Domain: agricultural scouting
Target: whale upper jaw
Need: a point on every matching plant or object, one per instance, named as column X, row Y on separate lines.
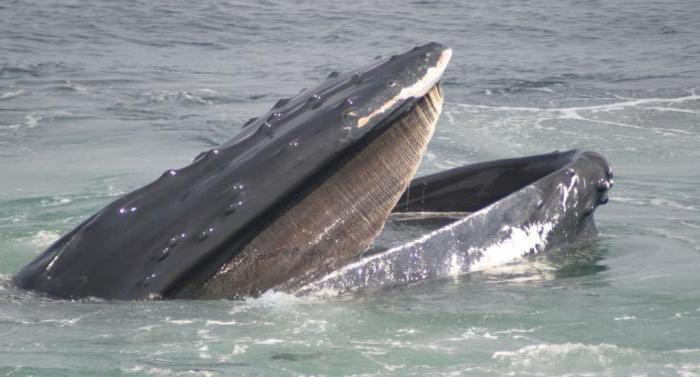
column 177, row 232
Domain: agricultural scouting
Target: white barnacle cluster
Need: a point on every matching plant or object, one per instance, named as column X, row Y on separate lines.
column 519, row 242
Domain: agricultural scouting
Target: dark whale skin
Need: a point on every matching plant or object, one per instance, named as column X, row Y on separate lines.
column 145, row 243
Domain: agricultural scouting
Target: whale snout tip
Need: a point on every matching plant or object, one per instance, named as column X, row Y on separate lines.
column 442, row 52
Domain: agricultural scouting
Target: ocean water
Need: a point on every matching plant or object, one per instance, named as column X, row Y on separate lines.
column 100, row 97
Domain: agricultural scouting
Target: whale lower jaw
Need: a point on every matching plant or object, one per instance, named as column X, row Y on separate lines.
column 332, row 219
column 512, row 209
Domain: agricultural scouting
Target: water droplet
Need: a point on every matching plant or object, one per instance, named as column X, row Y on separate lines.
column 169, row 173
column 356, row 78
column 147, row 280
column 164, row 253
column 392, row 84
column 126, row 210
column 205, row 154
column 315, row 101
column 202, row 235
column 294, row 143
column 266, row 128
column 274, row 116
column 233, row 207
column 237, row 189
column 172, row 242
column 333, row 74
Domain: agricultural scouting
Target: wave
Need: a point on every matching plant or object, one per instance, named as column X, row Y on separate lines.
column 11, row 94
column 600, row 355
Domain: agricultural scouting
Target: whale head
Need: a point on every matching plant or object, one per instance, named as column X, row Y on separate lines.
column 299, row 191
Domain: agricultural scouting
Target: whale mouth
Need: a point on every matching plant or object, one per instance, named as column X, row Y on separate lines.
column 329, row 220
column 435, row 201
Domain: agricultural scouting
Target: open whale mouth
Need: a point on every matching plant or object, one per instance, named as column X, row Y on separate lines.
column 298, row 193
column 331, row 218
column 295, row 200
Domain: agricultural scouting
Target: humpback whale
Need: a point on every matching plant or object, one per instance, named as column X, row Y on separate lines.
column 294, row 201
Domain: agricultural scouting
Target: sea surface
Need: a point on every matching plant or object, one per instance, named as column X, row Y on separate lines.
column 100, row 97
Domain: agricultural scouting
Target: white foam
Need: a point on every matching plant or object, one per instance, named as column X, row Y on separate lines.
column 670, row 204
column 576, row 112
column 43, row 238
column 179, row 322
column 156, row 371
column 409, row 331
column 269, row 341
column 10, row 126
column 65, row 322
column 517, row 331
column 312, row 326
column 55, row 202
column 204, row 351
column 76, row 87
column 11, row 94
column 198, row 96
column 594, row 108
column 32, row 120
column 221, row 323
column 269, row 299
column 532, row 355
column 472, row 333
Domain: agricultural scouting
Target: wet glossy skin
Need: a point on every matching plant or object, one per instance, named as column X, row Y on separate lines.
column 149, row 241
column 520, row 206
